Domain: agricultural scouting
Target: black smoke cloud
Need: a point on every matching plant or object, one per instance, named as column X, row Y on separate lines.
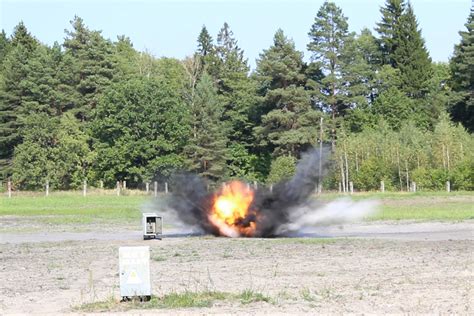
column 192, row 202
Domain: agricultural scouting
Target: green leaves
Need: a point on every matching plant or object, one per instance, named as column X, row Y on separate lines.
column 140, row 127
column 462, row 77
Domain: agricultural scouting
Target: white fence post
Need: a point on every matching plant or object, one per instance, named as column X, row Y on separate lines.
column 413, row 187
column 47, row 188
column 118, row 188
column 84, row 189
column 340, row 187
column 255, row 185
column 166, row 187
column 101, row 184
column 382, row 186
column 351, row 187
column 448, row 186
column 9, row 188
column 155, row 188
column 147, row 187
column 124, row 185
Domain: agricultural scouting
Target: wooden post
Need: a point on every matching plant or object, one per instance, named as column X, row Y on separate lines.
column 448, row 186
column 84, row 189
column 47, row 187
column 9, row 184
column 147, row 187
column 101, row 184
column 124, row 185
column 351, row 187
column 155, row 188
column 382, row 186
column 118, row 188
column 413, row 186
column 166, row 187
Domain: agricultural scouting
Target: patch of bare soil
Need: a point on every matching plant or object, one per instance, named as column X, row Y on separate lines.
column 307, row 275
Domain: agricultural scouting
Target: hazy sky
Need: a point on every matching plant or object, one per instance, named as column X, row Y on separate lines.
column 170, row 28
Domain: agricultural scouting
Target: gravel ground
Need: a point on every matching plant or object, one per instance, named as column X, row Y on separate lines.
column 398, row 267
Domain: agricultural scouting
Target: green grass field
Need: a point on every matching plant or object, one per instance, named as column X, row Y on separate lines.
column 78, row 209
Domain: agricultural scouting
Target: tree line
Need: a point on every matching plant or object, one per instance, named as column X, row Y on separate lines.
column 91, row 108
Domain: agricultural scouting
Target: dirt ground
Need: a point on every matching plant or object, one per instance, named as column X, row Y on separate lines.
column 369, row 268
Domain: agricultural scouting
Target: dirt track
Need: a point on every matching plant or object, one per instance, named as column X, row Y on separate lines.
column 381, row 268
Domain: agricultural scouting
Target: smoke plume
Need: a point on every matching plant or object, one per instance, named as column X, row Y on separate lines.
column 277, row 212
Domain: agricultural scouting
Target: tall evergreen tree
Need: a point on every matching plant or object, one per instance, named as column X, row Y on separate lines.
column 411, row 56
column 288, row 122
column 328, row 35
column 206, row 150
column 93, row 65
column 462, row 81
column 206, row 52
column 230, row 56
column 205, row 43
column 4, row 46
column 126, row 58
column 13, row 92
column 389, row 28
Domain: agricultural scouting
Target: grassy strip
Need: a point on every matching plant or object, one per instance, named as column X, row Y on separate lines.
column 84, row 210
column 452, row 211
column 174, row 300
column 75, row 209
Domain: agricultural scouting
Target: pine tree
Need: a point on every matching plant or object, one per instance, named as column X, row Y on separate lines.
column 4, row 46
column 288, row 122
column 126, row 58
column 329, row 34
column 362, row 60
column 206, row 150
column 205, row 43
column 12, row 93
column 93, row 65
column 230, row 55
column 411, row 56
column 389, row 29
column 462, row 80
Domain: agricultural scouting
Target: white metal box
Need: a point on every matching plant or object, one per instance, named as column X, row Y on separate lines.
column 152, row 225
column 134, row 266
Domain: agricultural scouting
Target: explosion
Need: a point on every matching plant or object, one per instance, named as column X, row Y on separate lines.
column 230, row 211
column 236, row 210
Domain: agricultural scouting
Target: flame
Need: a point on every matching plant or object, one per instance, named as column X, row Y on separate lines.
column 230, row 210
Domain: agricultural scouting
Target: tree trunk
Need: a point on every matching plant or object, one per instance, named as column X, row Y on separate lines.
column 399, row 171
column 343, row 180
column 408, row 179
column 347, row 167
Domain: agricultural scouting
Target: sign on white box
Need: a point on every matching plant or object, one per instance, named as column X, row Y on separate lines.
column 134, row 265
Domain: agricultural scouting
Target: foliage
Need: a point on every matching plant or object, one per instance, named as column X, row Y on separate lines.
column 99, row 110
column 53, row 150
column 462, row 77
column 282, row 168
column 288, row 123
column 206, row 150
column 140, row 128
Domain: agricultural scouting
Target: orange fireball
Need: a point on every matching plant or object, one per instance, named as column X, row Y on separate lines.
column 230, row 211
